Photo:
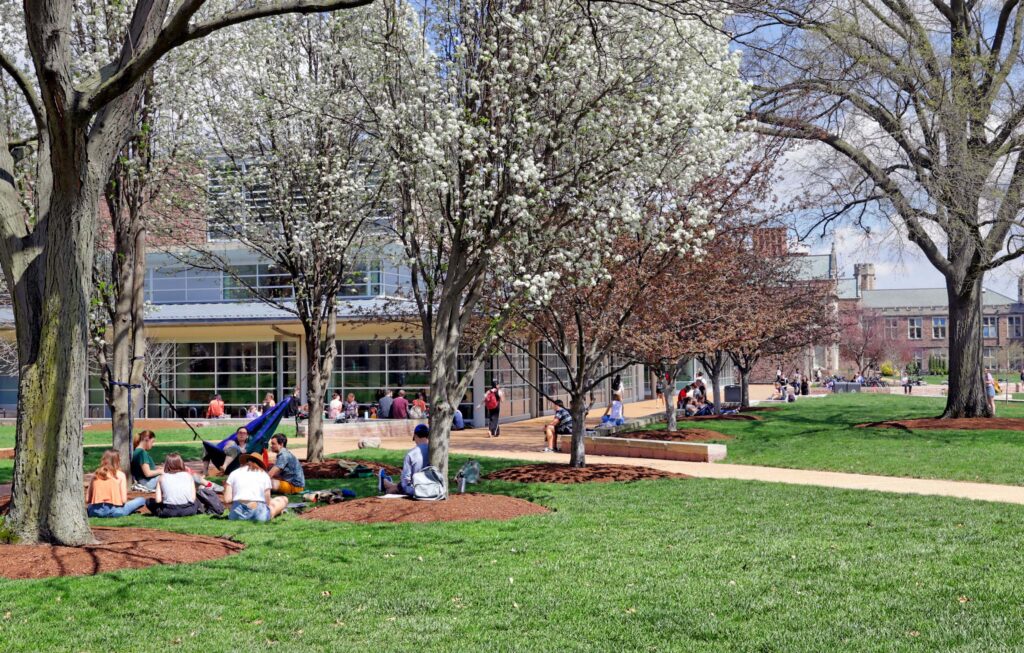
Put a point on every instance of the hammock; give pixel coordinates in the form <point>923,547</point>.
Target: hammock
<point>260,430</point>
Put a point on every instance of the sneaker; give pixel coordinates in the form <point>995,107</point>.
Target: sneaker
<point>548,450</point>
<point>382,476</point>
<point>139,487</point>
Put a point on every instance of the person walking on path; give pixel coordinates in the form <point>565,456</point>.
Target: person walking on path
<point>492,410</point>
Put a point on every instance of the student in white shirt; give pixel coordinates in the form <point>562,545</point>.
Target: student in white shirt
<point>247,492</point>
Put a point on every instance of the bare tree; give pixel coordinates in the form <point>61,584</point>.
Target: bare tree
<point>916,113</point>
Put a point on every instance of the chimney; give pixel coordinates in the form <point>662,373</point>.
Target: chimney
<point>865,273</point>
<point>1020,289</point>
<point>770,241</point>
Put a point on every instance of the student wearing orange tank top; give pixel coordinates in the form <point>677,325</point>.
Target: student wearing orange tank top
<point>108,492</point>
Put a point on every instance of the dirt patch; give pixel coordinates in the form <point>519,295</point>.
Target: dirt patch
<point>685,435</point>
<point>458,507</point>
<point>558,473</point>
<point>6,454</point>
<point>960,424</point>
<point>737,417</point>
<point>118,548</point>
<point>331,468</point>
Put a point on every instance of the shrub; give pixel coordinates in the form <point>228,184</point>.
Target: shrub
<point>888,369</point>
<point>937,366</point>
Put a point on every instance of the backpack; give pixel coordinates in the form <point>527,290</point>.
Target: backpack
<point>428,485</point>
<point>491,400</point>
<point>209,502</point>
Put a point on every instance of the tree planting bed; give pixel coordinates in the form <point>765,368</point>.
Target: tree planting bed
<point>684,435</point>
<point>958,424</point>
<point>457,507</point>
<point>116,548</point>
<point>332,469</point>
<point>559,473</point>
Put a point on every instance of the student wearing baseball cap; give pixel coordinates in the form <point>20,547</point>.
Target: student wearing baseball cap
<point>415,460</point>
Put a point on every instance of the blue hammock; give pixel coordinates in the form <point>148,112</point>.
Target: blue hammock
<point>260,430</point>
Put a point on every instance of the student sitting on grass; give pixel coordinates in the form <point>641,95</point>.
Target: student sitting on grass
<point>286,474</point>
<point>175,490</point>
<point>415,460</point>
<point>247,492</point>
<point>108,491</point>
<point>145,473</point>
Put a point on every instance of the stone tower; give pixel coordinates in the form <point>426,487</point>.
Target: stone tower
<point>865,273</point>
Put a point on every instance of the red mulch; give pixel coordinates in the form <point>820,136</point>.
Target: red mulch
<point>457,507</point>
<point>738,416</point>
<point>118,548</point>
<point>559,473</point>
<point>6,454</point>
<point>958,424</point>
<point>685,435</point>
<point>331,468</point>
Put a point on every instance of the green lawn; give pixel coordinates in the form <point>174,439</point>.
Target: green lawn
<point>675,565</point>
<point>820,434</point>
<point>98,438</point>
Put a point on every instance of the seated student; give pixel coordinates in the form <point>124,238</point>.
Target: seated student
<point>175,491</point>
<point>286,475</point>
<point>232,452</point>
<point>145,473</point>
<point>779,394</point>
<point>458,421</point>
<point>247,492</point>
<point>216,408</point>
<point>108,491</point>
<point>561,424</point>
<point>252,412</point>
<point>691,407</point>
<point>336,408</point>
<point>351,406</point>
<point>399,405</point>
<point>415,460</point>
<point>419,405</point>
<point>790,395</point>
<point>681,399</point>
<point>613,413</point>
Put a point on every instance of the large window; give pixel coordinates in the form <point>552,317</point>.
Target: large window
<point>241,372</point>
<point>990,327</point>
<point>990,355</point>
<point>366,279</point>
<point>269,280</point>
<point>1015,326</point>
<point>938,328</point>
<point>516,390</point>
<point>914,328</point>
<point>892,328</point>
<point>368,367</point>
<point>182,285</point>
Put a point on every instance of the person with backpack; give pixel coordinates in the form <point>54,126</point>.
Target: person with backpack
<point>492,410</point>
<point>415,460</point>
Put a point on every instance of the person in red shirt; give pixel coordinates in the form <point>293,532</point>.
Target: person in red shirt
<point>216,408</point>
<point>400,406</point>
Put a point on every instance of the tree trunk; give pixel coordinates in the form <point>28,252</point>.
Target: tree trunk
<point>744,387</point>
<point>47,502</point>
<point>444,396</point>
<point>577,453</point>
<point>314,399</point>
<point>129,335</point>
<point>966,397</point>
<point>670,403</point>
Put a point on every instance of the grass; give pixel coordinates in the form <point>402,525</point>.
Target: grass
<point>821,434</point>
<point>100,438</point>
<point>674,565</point>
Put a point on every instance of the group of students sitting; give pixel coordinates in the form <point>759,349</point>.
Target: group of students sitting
<point>692,399</point>
<point>247,490</point>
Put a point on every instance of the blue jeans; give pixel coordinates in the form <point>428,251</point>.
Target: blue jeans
<point>110,510</point>
<point>150,483</point>
<point>240,511</point>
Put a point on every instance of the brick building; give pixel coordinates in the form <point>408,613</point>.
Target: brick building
<point>916,320</point>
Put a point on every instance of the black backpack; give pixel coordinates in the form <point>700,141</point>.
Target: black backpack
<point>209,502</point>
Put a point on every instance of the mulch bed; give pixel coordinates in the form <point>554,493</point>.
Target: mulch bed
<point>740,416</point>
<point>685,435</point>
<point>331,468</point>
<point>457,507</point>
<point>958,424</point>
<point>6,454</point>
<point>559,473</point>
<point>118,548</point>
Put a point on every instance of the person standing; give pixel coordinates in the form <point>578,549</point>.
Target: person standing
<point>399,406</point>
<point>384,412</point>
<point>990,391</point>
<point>492,410</point>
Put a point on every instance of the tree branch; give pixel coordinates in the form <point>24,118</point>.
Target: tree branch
<point>18,75</point>
<point>177,32</point>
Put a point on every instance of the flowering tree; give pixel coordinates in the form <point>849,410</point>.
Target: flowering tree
<point>862,338</point>
<point>526,135</point>
<point>298,172</point>
<point>75,112</point>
